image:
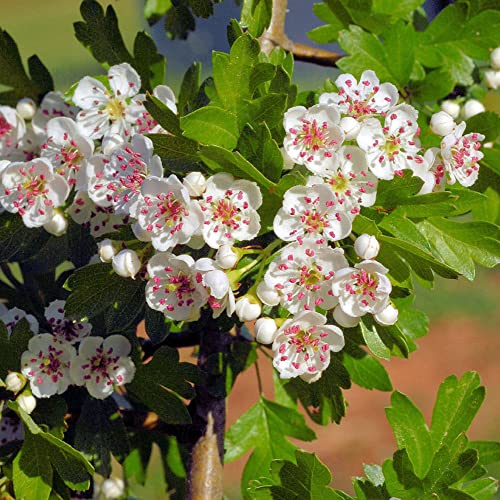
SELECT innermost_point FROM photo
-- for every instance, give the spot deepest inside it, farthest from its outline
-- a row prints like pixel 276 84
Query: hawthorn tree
pixel 240 199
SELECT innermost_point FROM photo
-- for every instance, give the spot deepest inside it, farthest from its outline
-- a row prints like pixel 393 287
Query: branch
pixel 275 36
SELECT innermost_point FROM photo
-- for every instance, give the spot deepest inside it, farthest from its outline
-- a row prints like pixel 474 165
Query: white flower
pixel 63 328
pixel 265 330
pixel 32 190
pixel 301 275
pixel 101 220
pixel 117 181
pixel 11 317
pixel 230 210
pixel 58 225
pixel 112 488
pixel 312 212
pixel 216 282
pixel 267 294
pixel 429 168
pixel 492 79
pixel 26 402
pixel 344 319
pixel 366 246
pixel 460 154
pixel 368 97
pixel 106 250
pixel 174 287
pixel 387 316
pixel 248 308
pixel 109 110
pixel 145 123
pixel 362 289
pixel 165 213
pixel 227 257
pixel 11 428
pixel 14 382
pixel 52 106
pixel 451 107
pixel 390 148
pixel 471 108
pixel 12 129
pixel 46 365
pixel 350 179
pixel 312 134
pixel 102 365
pixel 442 123
pixel 351 127
pixel 126 263
pixel 495 58
pixel 68 150
pixel 26 107
pixel 195 183
pixel 302 345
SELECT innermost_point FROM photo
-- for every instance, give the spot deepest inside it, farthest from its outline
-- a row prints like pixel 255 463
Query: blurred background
pixel 464 333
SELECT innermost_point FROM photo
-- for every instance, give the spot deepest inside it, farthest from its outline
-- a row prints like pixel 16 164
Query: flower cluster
pixel 51 363
pixel 88 158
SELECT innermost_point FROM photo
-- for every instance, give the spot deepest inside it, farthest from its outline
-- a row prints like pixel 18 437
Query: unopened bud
pixel 343 319
pixel 248 308
pixel 351 127
pixel 366 246
pixel 442 123
pixel 58 225
pixel 14 382
pixel 495 58
pixel 492 79
pixel 387 316
pixel 26 107
pixel 126 263
pixel 26 402
pixel 265 330
pixel 195 183
pixel 112 488
pixel 226 257
pixel 472 108
pixel 267 294
pixel 107 250
pixel 451 107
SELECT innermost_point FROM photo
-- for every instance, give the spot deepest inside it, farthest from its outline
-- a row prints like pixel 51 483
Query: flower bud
pixel 268 295
pixel 492 79
pixel 26 107
pixel 112 488
pixel 195 183
pixel 106 249
pixel 126 263
pixel 265 330
pixel 472 108
pixel 366 246
pixel 14 382
pixel 248 308
pixel 26 402
pixel 451 107
pixel 344 319
pixel 58 225
pixel 495 58
pixel 442 123
pixel 351 127
pixel 387 316
pixel 226 257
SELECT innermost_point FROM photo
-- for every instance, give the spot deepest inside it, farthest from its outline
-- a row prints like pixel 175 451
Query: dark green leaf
pixel 487 123
pixel 12 347
pixel 175 148
pixel 190 87
pixel 163 115
pixel 179 21
pixel 148 62
pixel 155 9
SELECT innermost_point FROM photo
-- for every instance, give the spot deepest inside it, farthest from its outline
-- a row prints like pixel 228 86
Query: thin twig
pixel 275 36
pixel 259 379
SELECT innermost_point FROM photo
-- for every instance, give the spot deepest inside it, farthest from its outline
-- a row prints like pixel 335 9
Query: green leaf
pixel 264 428
pixel 487 123
pixel 49 413
pixel 491 159
pixel 489 451
pixel 175 148
pixel 309 479
pixel 400 480
pixel 456 406
pixel 12 347
pixel 399 42
pixel 268 109
pixel 212 125
pixel 391 193
pixel 179 21
pixel 156 325
pixel 460 244
pixel 222 160
pixel 336 17
pixel 374 342
pixel 162 382
pixel 256 15
pixel 411 432
pixel 155 486
pixel 97 289
pixel 374 474
pixel 163 115
pixel 366 371
pixel 148 62
pixel 190 87
pixel 436 85
pixel 397 9
pixel 482 489
pixel 155 9
pixel 99 432
pixel 260 149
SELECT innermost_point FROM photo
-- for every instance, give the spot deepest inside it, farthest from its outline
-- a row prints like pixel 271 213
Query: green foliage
pixel 13 75
pixel 256 15
pixel 12 346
